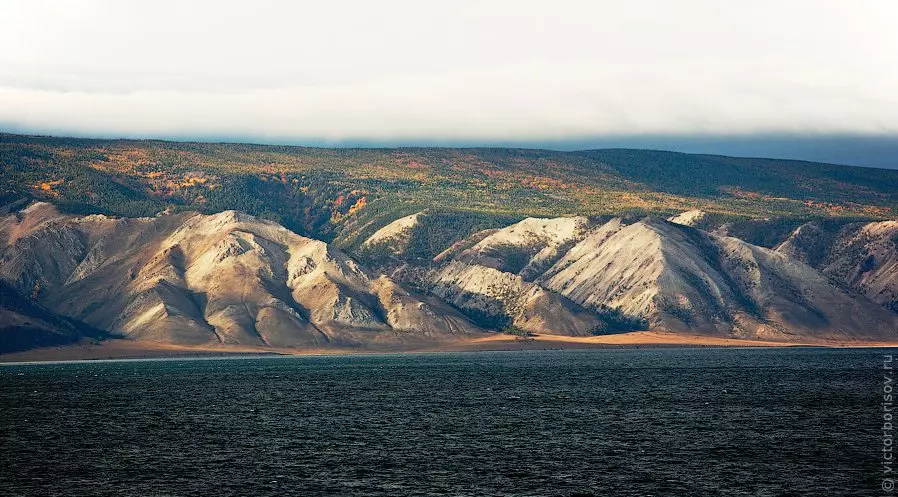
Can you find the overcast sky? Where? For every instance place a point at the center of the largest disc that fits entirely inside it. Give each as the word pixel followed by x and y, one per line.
pixel 459 71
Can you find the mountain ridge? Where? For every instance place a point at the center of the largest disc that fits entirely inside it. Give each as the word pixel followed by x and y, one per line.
pixel 232 279
pixel 351 147
pixel 269 246
pixel 192 279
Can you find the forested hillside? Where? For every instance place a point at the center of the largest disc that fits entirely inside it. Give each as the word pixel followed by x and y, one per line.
pixel 343 193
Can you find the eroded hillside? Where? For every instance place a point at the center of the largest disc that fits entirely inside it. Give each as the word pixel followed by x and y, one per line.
pixel 272 246
pixel 225 278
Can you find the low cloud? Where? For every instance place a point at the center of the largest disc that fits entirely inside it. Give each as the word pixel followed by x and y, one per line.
pixel 533 102
pixel 583 69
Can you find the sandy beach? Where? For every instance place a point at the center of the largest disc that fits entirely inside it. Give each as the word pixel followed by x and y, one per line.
pixel 130 349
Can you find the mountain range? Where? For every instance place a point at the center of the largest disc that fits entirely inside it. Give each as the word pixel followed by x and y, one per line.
pixel 281 247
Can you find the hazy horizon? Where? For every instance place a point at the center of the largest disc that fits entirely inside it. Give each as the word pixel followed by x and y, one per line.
pixel 862 151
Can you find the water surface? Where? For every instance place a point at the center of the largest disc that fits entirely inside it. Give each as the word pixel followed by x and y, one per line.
pixel 666 422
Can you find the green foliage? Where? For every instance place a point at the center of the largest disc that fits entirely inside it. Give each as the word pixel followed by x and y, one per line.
pixel 435 232
pixel 487 320
pixel 513 258
pixel 514 330
pixel 339 194
pixel 710 175
pixel 617 322
pixel 519 334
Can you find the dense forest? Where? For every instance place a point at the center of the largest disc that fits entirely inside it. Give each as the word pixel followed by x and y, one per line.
pixel 341 194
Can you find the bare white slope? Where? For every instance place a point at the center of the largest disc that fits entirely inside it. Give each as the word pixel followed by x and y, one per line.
pixel 395 235
pixel 877 276
pixel 671 276
pixel 491 278
pixel 685 279
pixel 227 278
pixel 646 270
pixel 688 218
pixel 493 294
pixel 528 247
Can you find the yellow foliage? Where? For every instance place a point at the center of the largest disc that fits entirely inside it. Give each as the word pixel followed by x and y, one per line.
pixel 359 205
pixel 49 186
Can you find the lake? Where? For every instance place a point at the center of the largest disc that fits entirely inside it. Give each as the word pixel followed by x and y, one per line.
pixel 619 422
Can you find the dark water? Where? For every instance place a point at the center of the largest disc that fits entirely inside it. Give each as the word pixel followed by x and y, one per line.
pixel 663 422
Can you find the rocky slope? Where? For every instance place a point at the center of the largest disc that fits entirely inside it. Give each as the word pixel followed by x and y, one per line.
pixel 526 248
pixel 395 235
pixel 492 278
pixel 224 278
pixel 231 278
pixel 499 299
pixel 668 276
pixel 688 218
pixel 862 256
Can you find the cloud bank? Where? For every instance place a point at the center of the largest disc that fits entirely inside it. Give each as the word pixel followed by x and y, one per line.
pixel 456 71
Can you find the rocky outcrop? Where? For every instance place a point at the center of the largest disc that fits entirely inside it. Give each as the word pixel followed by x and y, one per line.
pixel 231 278
pixel 492 279
pixel 224 278
pixel 683 279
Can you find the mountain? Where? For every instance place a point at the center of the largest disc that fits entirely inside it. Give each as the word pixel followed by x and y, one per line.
pixel 201 244
pixel 492 279
pixel 862 256
pixel 500 299
pixel 664 275
pixel 230 278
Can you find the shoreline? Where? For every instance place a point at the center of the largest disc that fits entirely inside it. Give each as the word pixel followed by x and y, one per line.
pixel 128 349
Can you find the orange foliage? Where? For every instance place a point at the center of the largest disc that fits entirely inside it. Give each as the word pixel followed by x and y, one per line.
pixel 49 187
pixel 359 205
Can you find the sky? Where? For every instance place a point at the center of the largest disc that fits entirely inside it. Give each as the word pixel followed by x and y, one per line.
pixel 811 79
